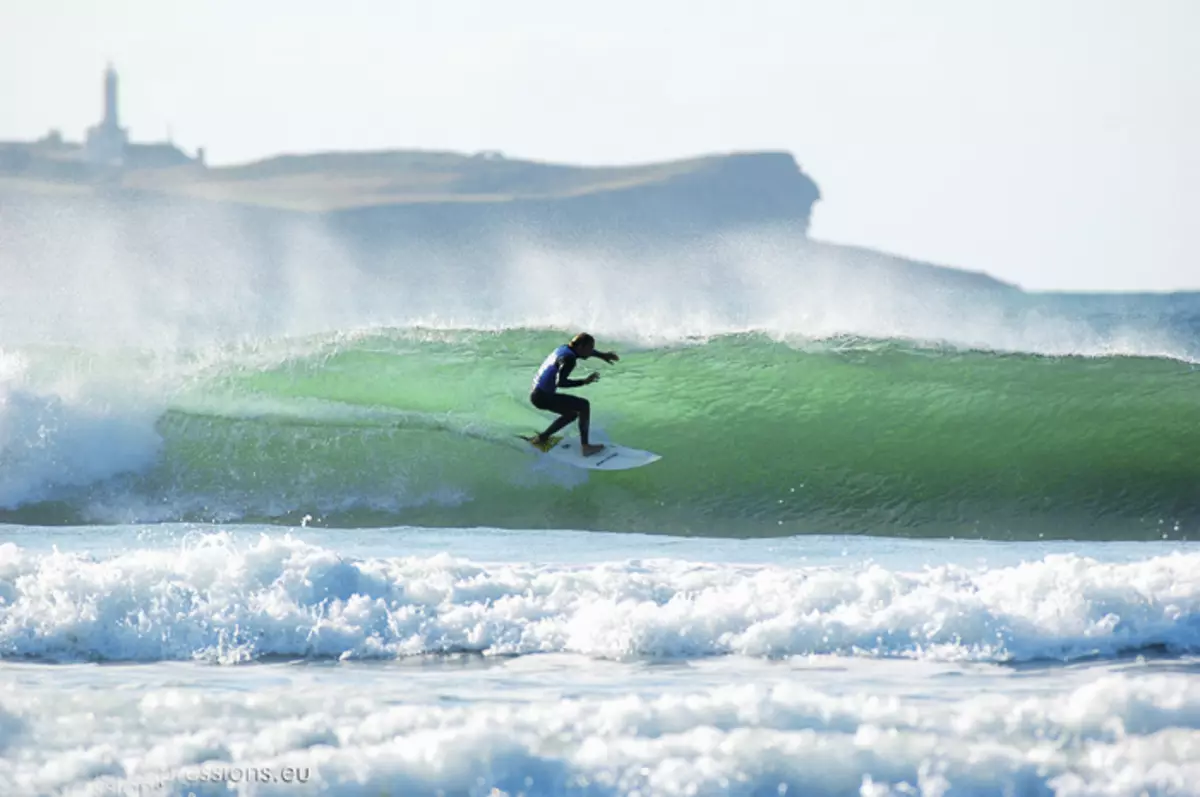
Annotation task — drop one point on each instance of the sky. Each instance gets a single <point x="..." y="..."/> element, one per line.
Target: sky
<point x="1049" y="143"/>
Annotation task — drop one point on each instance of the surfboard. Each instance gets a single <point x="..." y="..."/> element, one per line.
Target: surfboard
<point x="613" y="457"/>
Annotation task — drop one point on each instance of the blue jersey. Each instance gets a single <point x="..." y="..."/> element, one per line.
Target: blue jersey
<point x="561" y="359"/>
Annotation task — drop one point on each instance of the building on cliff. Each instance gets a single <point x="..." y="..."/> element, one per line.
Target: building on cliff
<point x="106" y="148"/>
<point x="108" y="143"/>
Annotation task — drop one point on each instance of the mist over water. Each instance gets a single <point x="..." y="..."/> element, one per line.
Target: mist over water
<point x="182" y="276"/>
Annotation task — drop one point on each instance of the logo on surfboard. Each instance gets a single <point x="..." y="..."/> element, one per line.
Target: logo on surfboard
<point x="612" y="457"/>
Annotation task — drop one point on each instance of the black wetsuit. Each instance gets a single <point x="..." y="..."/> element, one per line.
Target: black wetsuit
<point x="554" y="373"/>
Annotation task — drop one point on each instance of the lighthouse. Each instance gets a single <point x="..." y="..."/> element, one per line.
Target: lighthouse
<point x="106" y="141"/>
<point x="110" y="99"/>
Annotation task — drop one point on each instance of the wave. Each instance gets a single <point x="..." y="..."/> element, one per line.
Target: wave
<point x="214" y="600"/>
<point x="759" y="437"/>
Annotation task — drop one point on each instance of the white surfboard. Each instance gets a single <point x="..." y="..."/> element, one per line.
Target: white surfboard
<point x="613" y="457"/>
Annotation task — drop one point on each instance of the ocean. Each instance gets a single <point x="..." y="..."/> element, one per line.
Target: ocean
<point x="276" y="536"/>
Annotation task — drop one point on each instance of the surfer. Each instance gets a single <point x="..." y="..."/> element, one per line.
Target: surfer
<point x="554" y="373"/>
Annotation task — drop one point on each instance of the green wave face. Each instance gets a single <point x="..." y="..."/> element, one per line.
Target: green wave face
<point x="758" y="437"/>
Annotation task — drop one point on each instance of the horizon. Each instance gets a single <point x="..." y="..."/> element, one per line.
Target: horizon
<point x="1066" y="169"/>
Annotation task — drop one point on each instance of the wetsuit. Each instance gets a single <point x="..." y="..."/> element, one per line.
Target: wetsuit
<point x="554" y="373"/>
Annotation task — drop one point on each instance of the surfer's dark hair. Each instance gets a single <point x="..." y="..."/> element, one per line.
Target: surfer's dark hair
<point x="582" y="339"/>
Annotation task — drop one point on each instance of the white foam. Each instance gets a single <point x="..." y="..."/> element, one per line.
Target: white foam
<point x="216" y="600"/>
<point x="1112" y="735"/>
<point x="65" y="433"/>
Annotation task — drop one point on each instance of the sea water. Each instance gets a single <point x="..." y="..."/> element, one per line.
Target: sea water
<point x="902" y="540"/>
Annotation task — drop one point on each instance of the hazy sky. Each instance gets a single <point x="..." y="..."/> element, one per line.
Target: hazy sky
<point x="1053" y="143"/>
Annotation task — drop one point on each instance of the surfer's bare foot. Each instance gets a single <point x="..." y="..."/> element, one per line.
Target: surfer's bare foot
<point x="592" y="448"/>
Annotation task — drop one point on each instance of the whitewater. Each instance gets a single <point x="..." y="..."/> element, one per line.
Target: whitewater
<point x="267" y="529"/>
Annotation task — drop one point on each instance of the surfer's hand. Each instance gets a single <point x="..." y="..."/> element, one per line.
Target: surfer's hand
<point x="609" y="357"/>
<point x="594" y="377"/>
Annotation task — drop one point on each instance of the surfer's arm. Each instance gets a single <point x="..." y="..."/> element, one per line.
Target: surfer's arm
<point x="565" y="366"/>
<point x="607" y="356"/>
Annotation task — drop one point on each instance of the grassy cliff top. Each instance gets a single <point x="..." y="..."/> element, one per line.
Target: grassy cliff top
<point x="343" y="180"/>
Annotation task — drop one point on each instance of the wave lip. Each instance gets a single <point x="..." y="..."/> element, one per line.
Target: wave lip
<point x="282" y="598"/>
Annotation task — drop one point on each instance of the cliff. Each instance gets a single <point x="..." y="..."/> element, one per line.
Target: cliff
<point x="442" y="194"/>
<point x="374" y="206"/>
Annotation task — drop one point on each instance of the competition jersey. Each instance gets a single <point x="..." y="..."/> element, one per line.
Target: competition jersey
<point x="561" y="359"/>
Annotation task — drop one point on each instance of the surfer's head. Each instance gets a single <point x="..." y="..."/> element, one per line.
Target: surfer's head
<point x="583" y="344"/>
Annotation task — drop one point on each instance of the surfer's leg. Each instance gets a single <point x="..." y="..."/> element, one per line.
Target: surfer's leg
<point x="560" y="422"/>
<point x="585" y="422"/>
<point x="573" y="407"/>
<point x="568" y="408"/>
